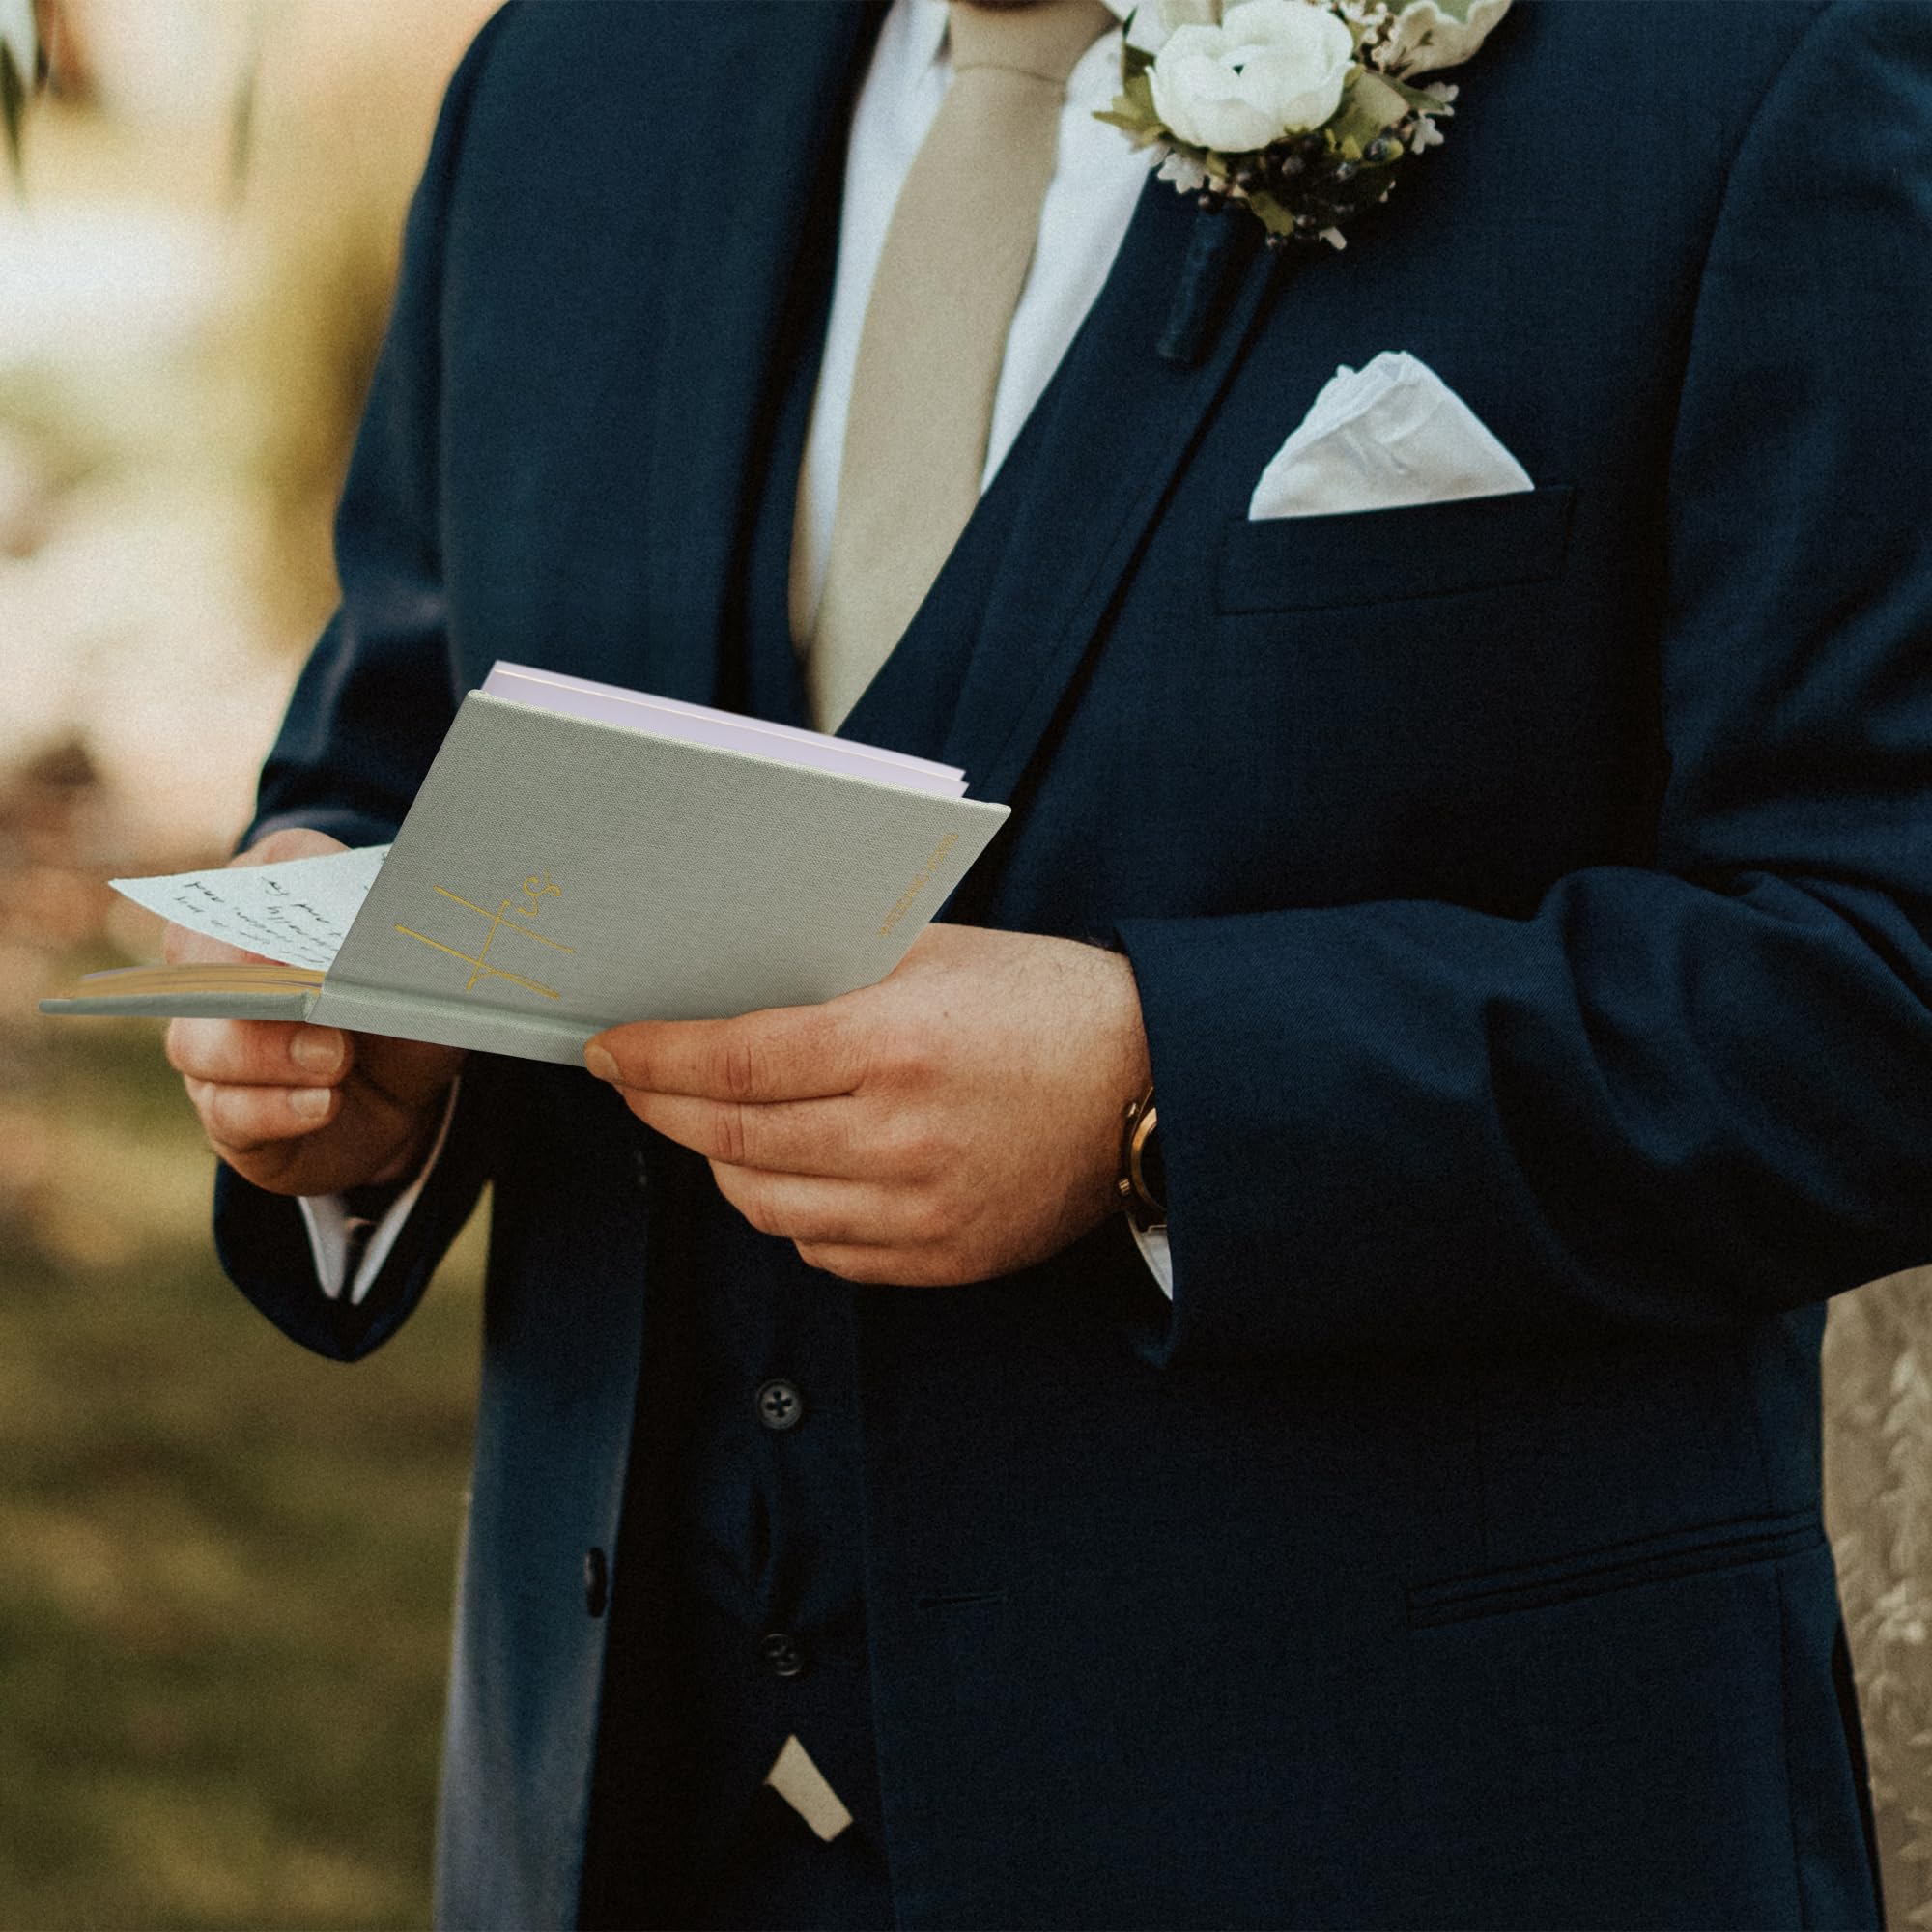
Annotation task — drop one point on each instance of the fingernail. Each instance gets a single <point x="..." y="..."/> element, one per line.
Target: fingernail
<point x="598" y="1059"/>
<point x="311" y="1102"/>
<point x="316" y="1052"/>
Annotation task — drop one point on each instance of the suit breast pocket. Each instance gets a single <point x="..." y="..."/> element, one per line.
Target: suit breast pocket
<point x="1378" y="556"/>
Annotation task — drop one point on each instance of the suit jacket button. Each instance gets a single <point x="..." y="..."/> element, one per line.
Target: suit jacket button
<point x="781" y="1653"/>
<point x="780" y="1405"/>
<point x="596" y="1581"/>
<point x="641" y="1167"/>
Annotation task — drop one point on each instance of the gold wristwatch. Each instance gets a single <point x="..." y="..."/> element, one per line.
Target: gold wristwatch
<point x="1141" y="1187"/>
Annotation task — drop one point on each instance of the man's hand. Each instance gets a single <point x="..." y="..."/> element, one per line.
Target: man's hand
<point x="957" y="1120"/>
<point x="302" y="1109"/>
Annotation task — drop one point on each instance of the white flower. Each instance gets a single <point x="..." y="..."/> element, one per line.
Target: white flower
<point x="16" y="35"/>
<point x="1187" y="175"/>
<point x="1432" y="34"/>
<point x="1150" y="23"/>
<point x="1425" y="137"/>
<point x="1272" y="68"/>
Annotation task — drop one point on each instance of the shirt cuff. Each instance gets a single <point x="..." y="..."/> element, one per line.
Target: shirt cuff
<point x="1153" y="1244"/>
<point x="336" y="1238"/>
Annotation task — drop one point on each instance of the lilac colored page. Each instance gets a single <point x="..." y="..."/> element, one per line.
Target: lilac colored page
<point x="701" y="724"/>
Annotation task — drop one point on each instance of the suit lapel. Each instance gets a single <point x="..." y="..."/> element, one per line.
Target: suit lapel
<point x="1108" y="437"/>
<point x="986" y="663"/>
<point x="735" y="270"/>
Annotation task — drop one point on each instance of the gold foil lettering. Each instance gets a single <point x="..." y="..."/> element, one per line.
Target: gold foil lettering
<point x="538" y="887"/>
<point x="920" y="884"/>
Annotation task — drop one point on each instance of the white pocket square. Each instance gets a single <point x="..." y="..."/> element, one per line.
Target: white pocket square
<point x="1391" y="434"/>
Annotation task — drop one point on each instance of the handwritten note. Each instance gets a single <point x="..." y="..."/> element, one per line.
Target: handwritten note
<point x="299" y="912"/>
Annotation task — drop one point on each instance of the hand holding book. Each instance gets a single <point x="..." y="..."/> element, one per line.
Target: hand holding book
<point x="955" y="1122"/>
<point x="578" y="856"/>
<point x="697" y="893"/>
<point x="304" y="1109"/>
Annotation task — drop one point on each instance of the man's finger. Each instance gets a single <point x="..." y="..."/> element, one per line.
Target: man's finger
<point x="239" y="1120"/>
<point x="893" y="1267"/>
<point x="783" y="1053"/>
<point x="258" y="1053"/>
<point x="817" y="1137"/>
<point x="809" y="1208"/>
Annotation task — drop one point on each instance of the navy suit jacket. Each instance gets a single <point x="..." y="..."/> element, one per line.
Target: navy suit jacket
<point x="1531" y="905"/>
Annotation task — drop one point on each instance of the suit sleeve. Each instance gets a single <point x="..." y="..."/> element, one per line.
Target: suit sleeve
<point x="1674" y="1098"/>
<point x="367" y="715"/>
<point x="348" y="1243"/>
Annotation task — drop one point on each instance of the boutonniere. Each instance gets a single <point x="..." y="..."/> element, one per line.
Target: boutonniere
<point x="1305" y="112"/>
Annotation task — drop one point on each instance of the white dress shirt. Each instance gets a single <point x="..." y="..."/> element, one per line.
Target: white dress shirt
<point x="1097" y="179"/>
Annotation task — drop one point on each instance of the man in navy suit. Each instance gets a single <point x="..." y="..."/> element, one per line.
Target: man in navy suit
<point x="1520" y="907"/>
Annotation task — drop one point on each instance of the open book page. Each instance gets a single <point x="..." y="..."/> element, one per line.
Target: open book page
<point x="299" y="911"/>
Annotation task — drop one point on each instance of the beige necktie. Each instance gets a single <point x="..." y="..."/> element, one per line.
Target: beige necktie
<point x="802" y="1786"/>
<point x="949" y="280"/>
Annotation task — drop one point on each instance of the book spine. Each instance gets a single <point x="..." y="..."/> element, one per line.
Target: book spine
<point x="452" y="1022"/>
<point x="295" y="1004"/>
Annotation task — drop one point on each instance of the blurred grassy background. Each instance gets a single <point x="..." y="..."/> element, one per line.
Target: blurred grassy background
<point x="225" y="1566"/>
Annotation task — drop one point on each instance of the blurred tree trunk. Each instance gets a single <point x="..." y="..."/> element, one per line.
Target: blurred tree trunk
<point x="1877" y="1505"/>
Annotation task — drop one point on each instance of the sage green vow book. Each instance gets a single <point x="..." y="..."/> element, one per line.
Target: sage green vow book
<point x="559" y="872"/>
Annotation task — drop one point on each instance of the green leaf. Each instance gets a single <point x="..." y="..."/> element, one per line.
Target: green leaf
<point x="1370" y="105"/>
<point x="1137" y="130"/>
<point x="12" y="112"/>
<point x="1275" y="218"/>
<point x="1133" y="111"/>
